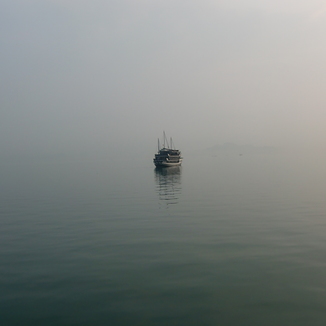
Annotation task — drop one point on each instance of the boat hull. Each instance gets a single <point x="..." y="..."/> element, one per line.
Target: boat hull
<point x="167" y="164"/>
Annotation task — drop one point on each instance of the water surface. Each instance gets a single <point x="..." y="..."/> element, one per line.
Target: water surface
<point x="226" y="239"/>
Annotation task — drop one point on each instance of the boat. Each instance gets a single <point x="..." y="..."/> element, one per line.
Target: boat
<point x="167" y="155"/>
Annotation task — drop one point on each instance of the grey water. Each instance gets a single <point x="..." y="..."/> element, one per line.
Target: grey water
<point x="226" y="239"/>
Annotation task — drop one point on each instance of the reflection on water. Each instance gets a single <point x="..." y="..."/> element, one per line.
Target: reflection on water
<point x="168" y="184"/>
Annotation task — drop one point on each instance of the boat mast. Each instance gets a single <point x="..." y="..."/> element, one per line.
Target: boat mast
<point x="164" y="137"/>
<point x="166" y="140"/>
<point x="158" y="144"/>
<point x="171" y="142"/>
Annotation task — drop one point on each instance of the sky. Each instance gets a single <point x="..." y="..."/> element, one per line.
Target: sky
<point x="81" y="76"/>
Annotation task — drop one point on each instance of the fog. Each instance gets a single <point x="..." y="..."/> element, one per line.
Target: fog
<point x="107" y="77"/>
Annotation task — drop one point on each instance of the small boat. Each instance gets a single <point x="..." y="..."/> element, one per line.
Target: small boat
<point x="167" y="155"/>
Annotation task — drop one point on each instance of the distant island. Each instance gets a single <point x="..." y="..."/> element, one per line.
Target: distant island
<point x="242" y="149"/>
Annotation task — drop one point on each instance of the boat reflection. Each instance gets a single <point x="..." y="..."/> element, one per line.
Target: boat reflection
<point x="168" y="183"/>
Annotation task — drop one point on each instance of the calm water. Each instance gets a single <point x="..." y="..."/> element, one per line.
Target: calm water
<point x="224" y="240"/>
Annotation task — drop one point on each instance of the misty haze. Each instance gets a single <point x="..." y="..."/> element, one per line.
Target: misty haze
<point x="92" y="233"/>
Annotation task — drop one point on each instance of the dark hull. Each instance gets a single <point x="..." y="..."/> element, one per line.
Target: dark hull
<point x="167" y="164"/>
